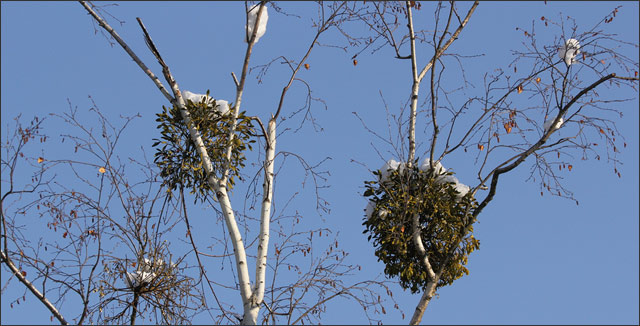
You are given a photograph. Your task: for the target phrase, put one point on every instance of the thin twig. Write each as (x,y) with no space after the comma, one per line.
(124,45)
(32,288)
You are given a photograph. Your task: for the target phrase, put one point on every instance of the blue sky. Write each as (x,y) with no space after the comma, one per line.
(542,260)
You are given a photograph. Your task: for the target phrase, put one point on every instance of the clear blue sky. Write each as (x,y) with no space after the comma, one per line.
(542,260)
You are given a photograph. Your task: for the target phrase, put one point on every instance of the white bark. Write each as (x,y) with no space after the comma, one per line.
(239,92)
(414,89)
(197,139)
(453,37)
(225,205)
(429,292)
(417,79)
(417,240)
(250,304)
(252,297)
(416,228)
(16,272)
(265,219)
(219,186)
(238,245)
(251,308)
(124,45)
(250,300)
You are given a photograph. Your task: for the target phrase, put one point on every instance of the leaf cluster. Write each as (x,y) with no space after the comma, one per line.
(443,216)
(176,153)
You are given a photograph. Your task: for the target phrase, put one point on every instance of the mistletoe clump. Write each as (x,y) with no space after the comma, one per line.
(444,212)
(176,153)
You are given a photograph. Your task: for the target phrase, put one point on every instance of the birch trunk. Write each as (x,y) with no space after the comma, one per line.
(253,308)
(429,292)
(251,297)
(414,89)
(238,245)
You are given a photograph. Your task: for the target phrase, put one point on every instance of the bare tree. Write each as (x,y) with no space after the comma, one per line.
(420,217)
(113,250)
(220,180)
(123,268)
(99,230)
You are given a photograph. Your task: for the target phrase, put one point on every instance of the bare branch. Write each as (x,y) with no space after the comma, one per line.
(124,45)
(16,272)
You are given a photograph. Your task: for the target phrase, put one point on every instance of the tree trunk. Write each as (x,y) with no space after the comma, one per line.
(429,292)
(252,307)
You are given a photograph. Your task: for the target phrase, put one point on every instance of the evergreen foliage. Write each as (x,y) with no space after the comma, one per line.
(443,216)
(176,153)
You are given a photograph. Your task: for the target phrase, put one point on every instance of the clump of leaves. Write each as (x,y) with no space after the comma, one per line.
(443,215)
(176,153)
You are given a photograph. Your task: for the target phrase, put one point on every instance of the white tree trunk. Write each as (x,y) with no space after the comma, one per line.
(251,297)
(417,241)
(238,245)
(414,88)
(430,290)
(424,302)
(251,314)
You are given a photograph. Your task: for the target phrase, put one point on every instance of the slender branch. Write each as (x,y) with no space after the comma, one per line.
(316,305)
(264,131)
(239,92)
(265,214)
(453,37)
(321,29)
(414,88)
(268,165)
(388,29)
(434,99)
(186,116)
(218,185)
(235,79)
(33,289)
(178,100)
(124,45)
(417,240)
(495,174)
(150,44)
(500,169)
(417,79)
(195,250)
